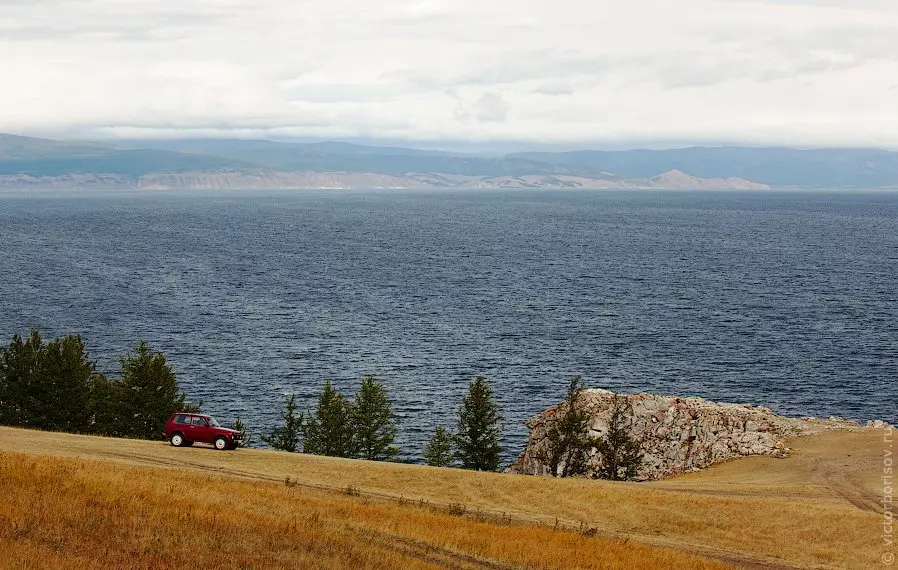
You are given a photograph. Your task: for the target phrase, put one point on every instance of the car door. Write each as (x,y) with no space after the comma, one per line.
(199,430)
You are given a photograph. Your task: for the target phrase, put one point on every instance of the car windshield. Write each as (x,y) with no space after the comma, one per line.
(213,422)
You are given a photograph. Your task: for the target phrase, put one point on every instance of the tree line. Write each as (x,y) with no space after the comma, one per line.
(365,428)
(55,386)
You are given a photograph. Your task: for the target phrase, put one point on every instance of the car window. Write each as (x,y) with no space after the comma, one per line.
(182,419)
(198,421)
(213,422)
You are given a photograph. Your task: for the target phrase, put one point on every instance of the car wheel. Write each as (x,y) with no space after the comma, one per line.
(220,443)
(177,440)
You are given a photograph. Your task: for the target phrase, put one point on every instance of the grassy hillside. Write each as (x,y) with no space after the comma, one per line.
(79,514)
(815,509)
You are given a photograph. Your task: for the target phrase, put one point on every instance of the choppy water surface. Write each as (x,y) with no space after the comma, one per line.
(784,299)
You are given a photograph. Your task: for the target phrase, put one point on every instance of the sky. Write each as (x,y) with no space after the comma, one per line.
(566,73)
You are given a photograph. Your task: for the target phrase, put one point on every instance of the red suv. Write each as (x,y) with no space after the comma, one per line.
(183,430)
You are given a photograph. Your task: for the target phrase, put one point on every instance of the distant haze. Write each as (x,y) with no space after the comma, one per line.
(536,74)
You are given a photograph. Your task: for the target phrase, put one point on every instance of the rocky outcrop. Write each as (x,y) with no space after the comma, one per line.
(679,435)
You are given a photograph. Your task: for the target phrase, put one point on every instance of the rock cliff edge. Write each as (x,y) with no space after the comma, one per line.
(679,435)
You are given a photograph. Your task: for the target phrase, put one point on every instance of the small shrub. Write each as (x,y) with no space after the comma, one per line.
(457,509)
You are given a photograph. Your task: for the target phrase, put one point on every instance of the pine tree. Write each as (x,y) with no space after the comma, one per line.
(479,428)
(149,393)
(328,430)
(105,407)
(567,442)
(285,437)
(67,378)
(439,449)
(621,452)
(246,437)
(373,422)
(21,384)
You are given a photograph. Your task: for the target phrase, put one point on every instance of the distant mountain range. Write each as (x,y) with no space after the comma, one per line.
(773,166)
(27,162)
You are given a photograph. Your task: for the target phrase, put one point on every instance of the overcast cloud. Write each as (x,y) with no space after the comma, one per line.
(811,73)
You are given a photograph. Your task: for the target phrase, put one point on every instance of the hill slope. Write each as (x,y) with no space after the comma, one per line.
(816,508)
(30,162)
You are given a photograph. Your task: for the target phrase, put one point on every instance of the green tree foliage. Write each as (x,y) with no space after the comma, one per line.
(148,393)
(21,383)
(286,437)
(479,429)
(46,386)
(438,452)
(567,442)
(328,430)
(621,452)
(373,422)
(107,413)
(246,439)
(55,386)
(68,379)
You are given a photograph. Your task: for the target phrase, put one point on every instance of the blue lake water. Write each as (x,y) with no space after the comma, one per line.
(787,299)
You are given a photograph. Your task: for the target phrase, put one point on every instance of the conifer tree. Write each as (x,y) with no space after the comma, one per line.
(45,386)
(477,440)
(439,449)
(287,436)
(373,422)
(328,430)
(149,393)
(567,442)
(67,378)
(21,384)
(106,410)
(621,452)
(246,437)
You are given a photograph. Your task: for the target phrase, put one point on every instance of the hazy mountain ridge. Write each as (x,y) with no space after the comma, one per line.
(27,162)
(772,166)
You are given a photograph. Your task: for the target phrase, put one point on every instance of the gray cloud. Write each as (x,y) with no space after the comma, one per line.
(752,70)
(491,107)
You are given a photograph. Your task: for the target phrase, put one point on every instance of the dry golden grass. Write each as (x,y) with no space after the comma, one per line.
(815,509)
(70,513)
